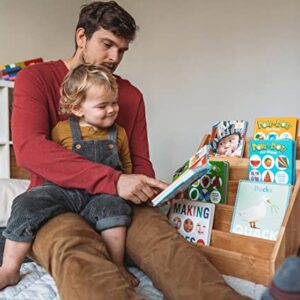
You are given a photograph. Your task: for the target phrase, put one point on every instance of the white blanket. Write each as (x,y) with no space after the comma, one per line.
(37,284)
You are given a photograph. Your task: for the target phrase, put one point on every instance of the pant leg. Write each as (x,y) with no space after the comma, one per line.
(177,267)
(105,211)
(76,257)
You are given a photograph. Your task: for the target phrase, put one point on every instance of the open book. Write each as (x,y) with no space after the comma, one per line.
(196,167)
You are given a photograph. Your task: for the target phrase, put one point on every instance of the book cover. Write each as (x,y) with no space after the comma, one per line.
(272,161)
(275,128)
(197,166)
(193,220)
(260,209)
(228,138)
(213,186)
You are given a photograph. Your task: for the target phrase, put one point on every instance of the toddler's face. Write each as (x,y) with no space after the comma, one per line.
(100,108)
(228,144)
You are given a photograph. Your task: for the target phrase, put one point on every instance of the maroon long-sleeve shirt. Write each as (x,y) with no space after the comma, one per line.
(35,113)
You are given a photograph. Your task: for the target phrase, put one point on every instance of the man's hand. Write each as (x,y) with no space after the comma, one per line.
(139,188)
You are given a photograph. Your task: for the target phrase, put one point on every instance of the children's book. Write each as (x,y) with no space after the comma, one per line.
(193,220)
(213,186)
(275,128)
(260,209)
(272,161)
(228,138)
(197,166)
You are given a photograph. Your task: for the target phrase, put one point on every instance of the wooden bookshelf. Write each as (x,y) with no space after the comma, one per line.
(247,257)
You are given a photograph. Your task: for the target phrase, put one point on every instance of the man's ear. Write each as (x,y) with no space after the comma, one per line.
(76,111)
(80,38)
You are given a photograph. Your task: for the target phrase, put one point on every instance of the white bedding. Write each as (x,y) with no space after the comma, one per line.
(37,284)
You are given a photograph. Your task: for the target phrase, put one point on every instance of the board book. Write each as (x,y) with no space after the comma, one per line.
(272,161)
(260,208)
(228,138)
(213,186)
(197,166)
(193,220)
(275,128)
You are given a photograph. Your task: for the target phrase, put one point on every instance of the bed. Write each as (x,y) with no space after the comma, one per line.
(36,283)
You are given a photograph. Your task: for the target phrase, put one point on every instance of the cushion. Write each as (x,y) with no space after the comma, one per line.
(9,189)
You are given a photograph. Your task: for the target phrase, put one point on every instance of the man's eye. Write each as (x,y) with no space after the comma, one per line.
(107,45)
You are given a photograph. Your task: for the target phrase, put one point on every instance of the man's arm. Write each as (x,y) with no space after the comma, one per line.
(34,113)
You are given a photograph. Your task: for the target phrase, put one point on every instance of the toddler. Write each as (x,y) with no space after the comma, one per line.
(89,98)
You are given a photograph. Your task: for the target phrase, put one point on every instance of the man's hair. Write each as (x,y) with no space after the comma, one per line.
(107,15)
(79,80)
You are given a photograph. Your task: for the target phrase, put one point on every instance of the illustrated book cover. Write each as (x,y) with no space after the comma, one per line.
(213,186)
(275,128)
(272,161)
(193,220)
(228,138)
(260,209)
(197,166)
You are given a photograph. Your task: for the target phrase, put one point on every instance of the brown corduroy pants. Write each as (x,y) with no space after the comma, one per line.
(76,257)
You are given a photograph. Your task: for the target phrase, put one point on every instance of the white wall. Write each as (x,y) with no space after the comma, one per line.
(196,61)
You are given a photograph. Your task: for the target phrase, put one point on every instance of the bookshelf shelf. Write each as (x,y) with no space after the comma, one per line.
(248,257)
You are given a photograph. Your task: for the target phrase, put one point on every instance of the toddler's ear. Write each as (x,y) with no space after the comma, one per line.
(76,111)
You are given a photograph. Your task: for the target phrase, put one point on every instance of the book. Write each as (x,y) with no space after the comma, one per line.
(272,161)
(260,208)
(197,166)
(193,220)
(213,186)
(275,128)
(228,138)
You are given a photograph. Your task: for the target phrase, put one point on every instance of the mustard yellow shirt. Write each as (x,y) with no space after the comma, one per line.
(62,135)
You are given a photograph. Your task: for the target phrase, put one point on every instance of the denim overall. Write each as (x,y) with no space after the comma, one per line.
(32,209)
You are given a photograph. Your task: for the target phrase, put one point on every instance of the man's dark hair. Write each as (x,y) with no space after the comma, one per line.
(107,15)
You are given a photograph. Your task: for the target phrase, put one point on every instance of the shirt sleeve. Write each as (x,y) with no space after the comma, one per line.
(32,118)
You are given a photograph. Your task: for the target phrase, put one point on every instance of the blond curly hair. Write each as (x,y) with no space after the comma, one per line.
(79,80)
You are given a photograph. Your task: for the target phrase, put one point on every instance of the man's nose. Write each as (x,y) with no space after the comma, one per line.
(113,55)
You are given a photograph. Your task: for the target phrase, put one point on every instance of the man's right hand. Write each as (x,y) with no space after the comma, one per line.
(139,188)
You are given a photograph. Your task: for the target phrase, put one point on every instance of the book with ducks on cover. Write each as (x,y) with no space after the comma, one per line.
(260,208)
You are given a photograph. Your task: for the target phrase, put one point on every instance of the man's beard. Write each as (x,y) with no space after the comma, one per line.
(110,66)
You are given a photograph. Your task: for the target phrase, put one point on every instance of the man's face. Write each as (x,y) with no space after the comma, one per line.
(103,48)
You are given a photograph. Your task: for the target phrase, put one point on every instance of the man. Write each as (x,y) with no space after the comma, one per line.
(72,252)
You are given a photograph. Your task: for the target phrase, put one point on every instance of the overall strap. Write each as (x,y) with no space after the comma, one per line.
(75,129)
(112,133)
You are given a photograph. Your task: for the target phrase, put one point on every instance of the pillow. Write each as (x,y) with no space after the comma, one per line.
(9,190)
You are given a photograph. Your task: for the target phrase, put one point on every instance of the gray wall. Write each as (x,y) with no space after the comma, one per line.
(196,61)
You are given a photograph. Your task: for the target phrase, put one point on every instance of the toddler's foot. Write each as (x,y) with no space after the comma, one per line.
(8,277)
(130,278)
